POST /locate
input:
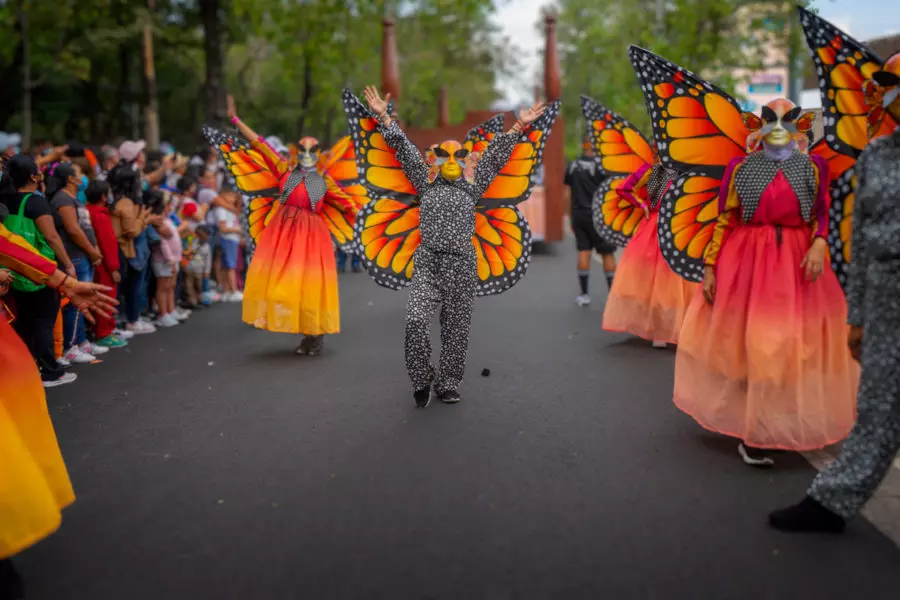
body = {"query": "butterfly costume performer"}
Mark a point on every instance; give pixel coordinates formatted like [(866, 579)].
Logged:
[(647, 298), (762, 352), (447, 226), (847, 69), (295, 212)]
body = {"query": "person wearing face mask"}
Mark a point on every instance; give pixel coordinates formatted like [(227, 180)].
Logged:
[(73, 223), (771, 313), (873, 293)]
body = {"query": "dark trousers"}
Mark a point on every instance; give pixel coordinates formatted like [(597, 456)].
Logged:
[(131, 290), (36, 314)]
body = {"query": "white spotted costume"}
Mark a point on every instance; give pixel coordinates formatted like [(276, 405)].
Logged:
[(451, 240)]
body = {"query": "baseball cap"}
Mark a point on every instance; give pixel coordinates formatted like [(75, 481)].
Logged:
[(129, 151), (9, 140)]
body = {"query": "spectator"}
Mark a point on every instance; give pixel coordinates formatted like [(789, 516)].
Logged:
[(107, 272), (31, 216), (73, 224), (9, 144), (230, 239), (198, 265), (130, 220), (165, 261)]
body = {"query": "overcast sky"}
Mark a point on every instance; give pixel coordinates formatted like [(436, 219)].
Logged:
[(863, 19)]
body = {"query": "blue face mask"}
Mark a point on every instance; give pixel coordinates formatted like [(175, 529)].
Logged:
[(82, 199)]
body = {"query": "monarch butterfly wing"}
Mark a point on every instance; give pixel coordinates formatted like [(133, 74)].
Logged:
[(695, 124), (842, 66), (340, 221), (687, 218), (620, 146), (502, 243), (615, 218), (479, 137), (340, 165), (379, 170), (386, 236), (513, 183), (251, 175), (260, 211), (840, 223)]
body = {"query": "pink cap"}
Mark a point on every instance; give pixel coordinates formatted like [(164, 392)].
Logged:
[(129, 151)]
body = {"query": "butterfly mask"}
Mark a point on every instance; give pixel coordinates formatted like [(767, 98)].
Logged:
[(882, 91), (780, 123), (308, 153), (451, 161)]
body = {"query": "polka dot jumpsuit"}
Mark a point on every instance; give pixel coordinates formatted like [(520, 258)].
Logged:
[(445, 272), (873, 297)]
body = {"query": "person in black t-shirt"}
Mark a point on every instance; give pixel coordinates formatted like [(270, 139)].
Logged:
[(583, 176)]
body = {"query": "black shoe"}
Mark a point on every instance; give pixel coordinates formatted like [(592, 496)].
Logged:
[(303, 348), (12, 586), (754, 456), (451, 397), (316, 344), (423, 398), (808, 516)]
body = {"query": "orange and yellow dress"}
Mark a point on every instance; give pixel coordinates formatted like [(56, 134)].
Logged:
[(34, 483), (648, 299), (292, 284), (768, 361)]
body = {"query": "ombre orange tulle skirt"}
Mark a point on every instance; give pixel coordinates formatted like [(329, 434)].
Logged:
[(768, 363), (34, 483), (647, 298), (292, 282)]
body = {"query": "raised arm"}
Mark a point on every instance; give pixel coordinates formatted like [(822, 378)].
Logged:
[(274, 162), (411, 160), (501, 148)]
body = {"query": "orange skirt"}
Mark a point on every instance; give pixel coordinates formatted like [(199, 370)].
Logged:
[(647, 299), (292, 283), (34, 483), (768, 363)]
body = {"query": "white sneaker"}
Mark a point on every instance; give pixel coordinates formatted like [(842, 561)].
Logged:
[(63, 380), (62, 362), (583, 300), (236, 297), (659, 344), (172, 319), (166, 321), (78, 356), (140, 328), (180, 315), (94, 349), (123, 334)]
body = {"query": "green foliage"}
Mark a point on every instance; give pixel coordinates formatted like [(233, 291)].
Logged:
[(285, 63), (713, 38)]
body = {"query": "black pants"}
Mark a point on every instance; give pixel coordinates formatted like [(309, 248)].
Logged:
[(36, 314)]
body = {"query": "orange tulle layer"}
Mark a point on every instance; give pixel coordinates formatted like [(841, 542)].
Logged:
[(647, 298), (34, 483), (768, 363), (292, 282)]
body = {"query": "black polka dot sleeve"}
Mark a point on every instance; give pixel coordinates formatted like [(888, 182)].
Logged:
[(409, 156), (859, 262), (493, 159)]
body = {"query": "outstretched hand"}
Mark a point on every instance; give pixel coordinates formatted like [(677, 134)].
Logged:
[(90, 297), (377, 104), (530, 115), (232, 111)]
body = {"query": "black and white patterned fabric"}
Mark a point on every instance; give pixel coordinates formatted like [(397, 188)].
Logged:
[(758, 170), (314, 182), (445, 271), (873, 298), (658, 182)]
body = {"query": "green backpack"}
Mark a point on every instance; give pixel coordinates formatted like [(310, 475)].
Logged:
[(28, 230)]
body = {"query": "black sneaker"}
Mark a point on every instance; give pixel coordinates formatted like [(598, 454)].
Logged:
[(423, 397), (808, 516), (316, 345), (303, 348), (451, 397)]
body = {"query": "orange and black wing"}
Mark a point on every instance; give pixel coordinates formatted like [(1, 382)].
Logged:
[(621, 150), (502, 243), (251, 175), (514, 182), (479, 137), (386, 236), (698, 130), (378, 168), (842, 66), (339, 163)]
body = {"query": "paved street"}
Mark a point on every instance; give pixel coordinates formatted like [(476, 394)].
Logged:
[(211, 463)]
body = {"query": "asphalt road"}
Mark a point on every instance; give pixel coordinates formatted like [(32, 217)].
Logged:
[(211, 463)]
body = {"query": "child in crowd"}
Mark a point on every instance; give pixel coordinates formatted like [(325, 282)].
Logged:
[(107, 272), (165, 259), (229, 241), (199, 264)]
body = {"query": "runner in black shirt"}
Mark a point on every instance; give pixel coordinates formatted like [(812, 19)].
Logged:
[(583, 176)]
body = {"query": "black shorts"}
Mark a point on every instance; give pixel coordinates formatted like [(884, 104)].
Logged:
[(587, 238)]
